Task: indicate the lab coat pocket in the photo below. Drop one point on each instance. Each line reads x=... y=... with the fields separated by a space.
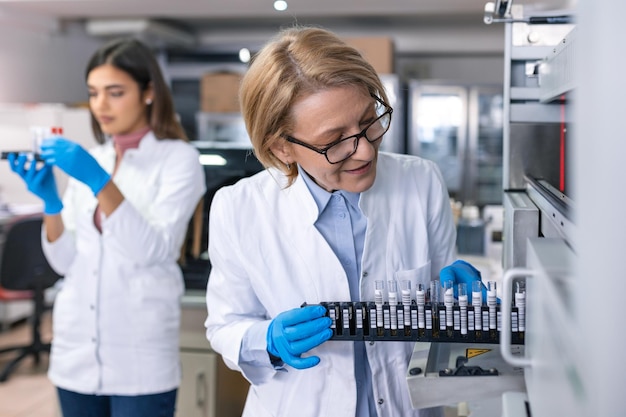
x=416 y=276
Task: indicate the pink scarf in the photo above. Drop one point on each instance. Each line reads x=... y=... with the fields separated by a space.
x=128 y=141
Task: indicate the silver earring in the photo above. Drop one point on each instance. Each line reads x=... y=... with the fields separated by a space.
x=148 y=101
x=288 y=165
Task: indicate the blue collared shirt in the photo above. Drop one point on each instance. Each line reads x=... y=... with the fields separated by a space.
x=343 y=225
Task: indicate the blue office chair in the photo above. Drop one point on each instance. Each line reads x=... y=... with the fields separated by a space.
x=25 y=272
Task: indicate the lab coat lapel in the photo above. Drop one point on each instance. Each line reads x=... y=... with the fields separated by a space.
x=328 y=280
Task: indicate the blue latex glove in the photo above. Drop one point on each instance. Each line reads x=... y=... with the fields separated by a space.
x=39 y=181
x=297 y=331
x=461 y=271
x=75 y=161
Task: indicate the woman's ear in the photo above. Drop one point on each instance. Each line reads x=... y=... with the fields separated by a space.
x=282 y=151
x=148 y=94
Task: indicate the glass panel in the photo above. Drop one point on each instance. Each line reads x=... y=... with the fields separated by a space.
x=489 y=152
x=440 y=120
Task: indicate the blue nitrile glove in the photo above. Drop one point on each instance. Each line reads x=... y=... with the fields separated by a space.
x=39 y=181
x=461 y=271
x=75 y=161
x=297 y=331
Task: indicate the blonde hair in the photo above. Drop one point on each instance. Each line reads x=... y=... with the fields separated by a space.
x=298 y=62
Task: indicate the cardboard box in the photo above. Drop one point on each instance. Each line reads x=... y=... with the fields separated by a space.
x=378 y=51
x=219 y=92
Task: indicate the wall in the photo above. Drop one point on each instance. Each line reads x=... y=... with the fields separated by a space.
x=411 y=36
x=466 y=51
x=473 y=69
x=42 y=62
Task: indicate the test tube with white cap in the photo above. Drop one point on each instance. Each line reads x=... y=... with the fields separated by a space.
x=420 y=300
x=477 y=303
x=462 y=288
x=379 y=300
x=520 y=303
x=492 y=303
x=448 y=301
x=393 y=306
x=406 y=305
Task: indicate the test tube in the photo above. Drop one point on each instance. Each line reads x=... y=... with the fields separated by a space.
x=393 y=306
x=360 y=313
x=477 y=303
x=434 y=303
x=346 y=318
x=492 y=303
x=448 y=301
x=332 y=313
x=37 y=135
x=520 y=303
x=420 y=299
x=462 y=288
x=406 y=305
x=378 y=300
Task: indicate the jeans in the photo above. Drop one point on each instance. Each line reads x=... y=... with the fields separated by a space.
x=86 y=405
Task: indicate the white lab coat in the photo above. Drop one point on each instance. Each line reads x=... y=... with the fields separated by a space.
x=116 y=318
x=268 y=257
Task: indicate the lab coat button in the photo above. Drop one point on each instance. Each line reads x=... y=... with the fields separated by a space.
x=371 y=343
x=380 y=401
x=93 y=339
x=342 y=215
x=92 y=307
x=365 y=274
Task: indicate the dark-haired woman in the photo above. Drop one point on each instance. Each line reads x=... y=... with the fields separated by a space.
x=116 y=236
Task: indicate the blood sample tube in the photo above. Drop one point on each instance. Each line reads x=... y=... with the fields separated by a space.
x=420 y=300
x=393 y=307
x=406 y=306
x=378 y=300
x=492 y=303
x=462 y=288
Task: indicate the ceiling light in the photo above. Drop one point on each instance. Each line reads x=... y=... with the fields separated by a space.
x=280 y=5
x=212 y=159
x=244 y=55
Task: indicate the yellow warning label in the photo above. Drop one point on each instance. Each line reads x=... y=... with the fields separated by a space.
x=473 y=352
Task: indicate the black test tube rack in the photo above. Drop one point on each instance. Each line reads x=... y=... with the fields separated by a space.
x=357 y=321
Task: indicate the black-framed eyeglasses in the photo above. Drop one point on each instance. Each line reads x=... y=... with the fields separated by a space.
x=344 y=148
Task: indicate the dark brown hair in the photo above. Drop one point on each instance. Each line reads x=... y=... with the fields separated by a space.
x=136 y=59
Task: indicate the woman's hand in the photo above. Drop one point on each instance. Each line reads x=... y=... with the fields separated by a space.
x=75 y=161
x=39 y=181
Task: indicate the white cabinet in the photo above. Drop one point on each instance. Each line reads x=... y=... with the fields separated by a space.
x=208 y=388
x=196 y=396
